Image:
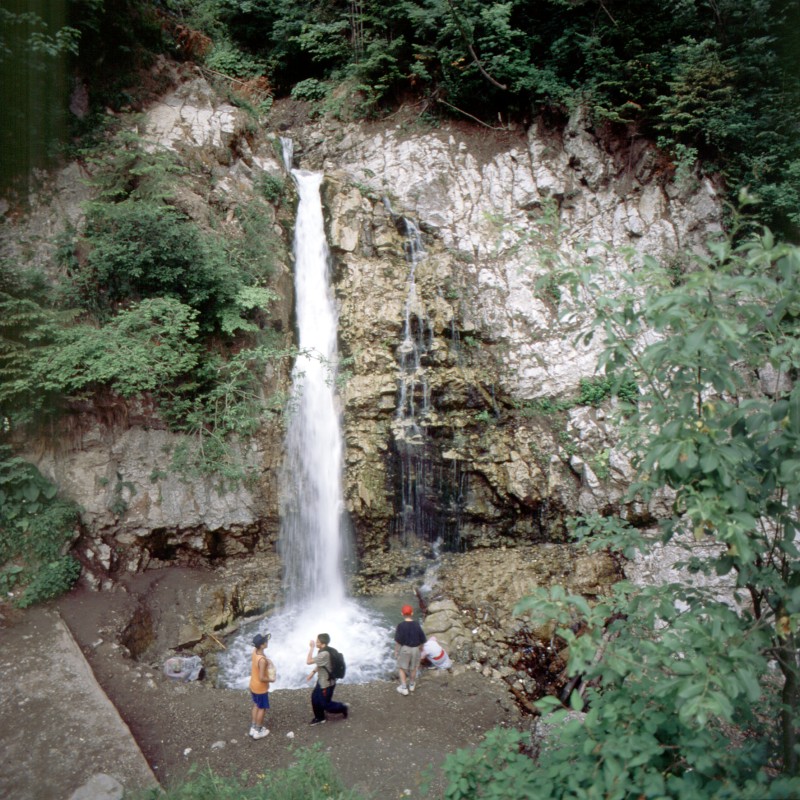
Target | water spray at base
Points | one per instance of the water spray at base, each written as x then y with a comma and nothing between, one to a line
313,540
363,635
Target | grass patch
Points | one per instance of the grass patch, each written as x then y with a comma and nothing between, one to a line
310,777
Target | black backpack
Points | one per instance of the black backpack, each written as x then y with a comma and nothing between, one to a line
338,667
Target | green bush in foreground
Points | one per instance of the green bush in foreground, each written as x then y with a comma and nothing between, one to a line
310,777
682,695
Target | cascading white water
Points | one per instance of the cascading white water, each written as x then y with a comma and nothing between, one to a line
313,525
311,479
412,378
431,492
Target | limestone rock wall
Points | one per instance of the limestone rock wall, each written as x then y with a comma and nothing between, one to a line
137,510
487,459
500,463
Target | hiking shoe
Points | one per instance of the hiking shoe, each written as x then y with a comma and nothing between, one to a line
403,690
346,711
412,686
316,721
260,733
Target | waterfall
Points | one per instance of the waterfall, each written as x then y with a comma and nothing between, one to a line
313,541
413,381
287,152
430,491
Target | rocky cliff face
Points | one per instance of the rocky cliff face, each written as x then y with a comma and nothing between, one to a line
461,410
461,422
113,457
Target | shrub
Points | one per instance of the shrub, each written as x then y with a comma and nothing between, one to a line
593,391
227,58
309,777
36,528
270,187
141,349
310,89
137,249
50,580
696,698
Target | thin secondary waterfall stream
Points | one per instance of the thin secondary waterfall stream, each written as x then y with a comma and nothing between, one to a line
313,543
431,491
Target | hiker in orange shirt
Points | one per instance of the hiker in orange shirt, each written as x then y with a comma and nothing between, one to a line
259,685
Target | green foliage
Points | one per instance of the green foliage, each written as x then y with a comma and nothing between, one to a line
255,252
698,698
593,391
497,768
136,244
23,34
228,59
35,42
45,354
138,249
219,409
311,89
118,505
599,463
27,332
140,350
51,580
325,41
544,406
662,704
379,71
310,777
164,310
36,529
702,104
719,84
123,168
271,187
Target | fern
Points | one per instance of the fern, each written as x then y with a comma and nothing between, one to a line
139,350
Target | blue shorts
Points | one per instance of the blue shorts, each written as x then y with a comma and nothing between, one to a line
261,700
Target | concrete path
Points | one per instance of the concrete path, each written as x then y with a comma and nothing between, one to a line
60,736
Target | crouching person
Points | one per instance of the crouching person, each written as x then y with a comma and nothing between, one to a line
322,696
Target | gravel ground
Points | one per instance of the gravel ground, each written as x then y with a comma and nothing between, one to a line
387,748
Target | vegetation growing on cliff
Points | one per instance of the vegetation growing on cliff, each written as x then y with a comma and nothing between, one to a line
149,303
717,83
149,306
684,695
37,529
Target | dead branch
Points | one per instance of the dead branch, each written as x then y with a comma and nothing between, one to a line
523,700
466,114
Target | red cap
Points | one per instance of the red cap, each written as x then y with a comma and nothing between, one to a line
407,611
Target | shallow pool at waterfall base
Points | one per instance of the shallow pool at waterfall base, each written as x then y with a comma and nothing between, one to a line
363,629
